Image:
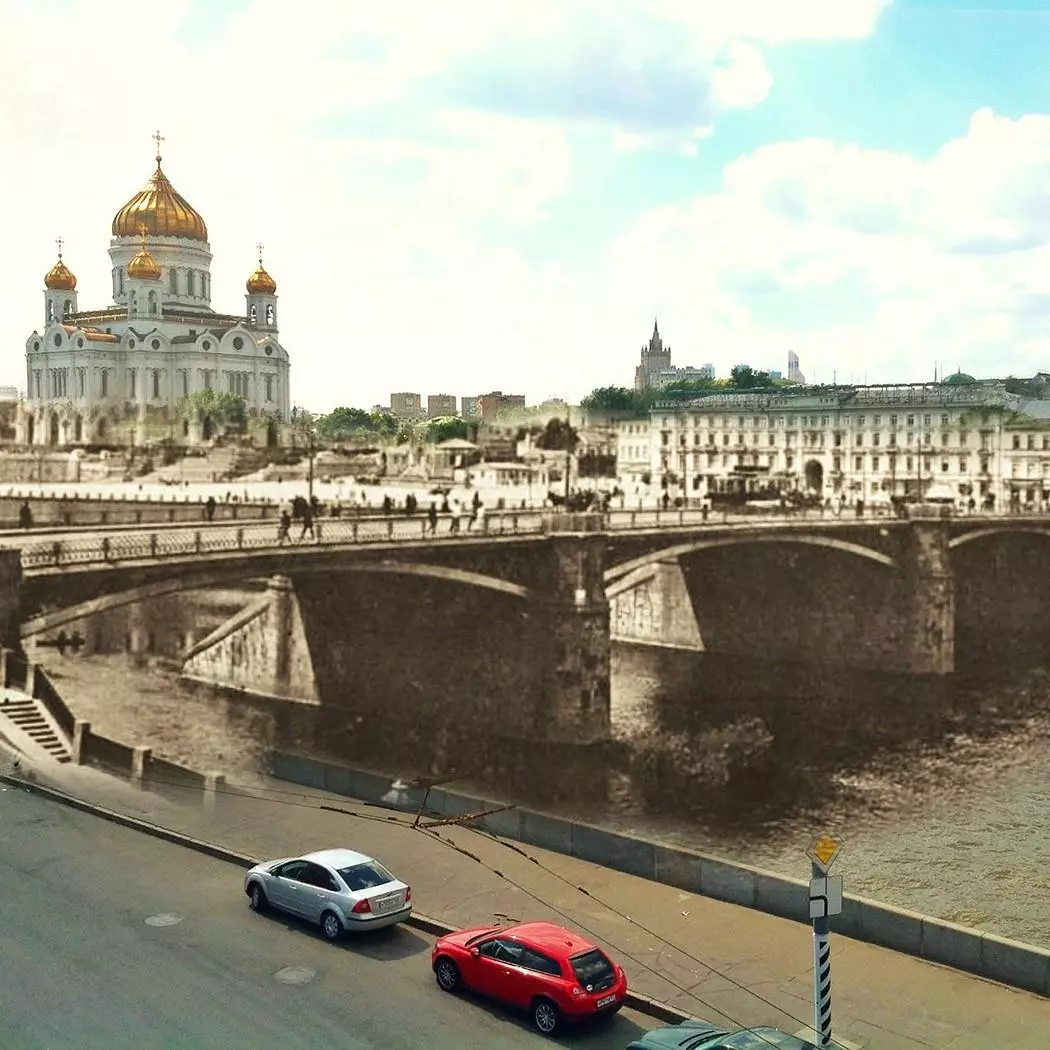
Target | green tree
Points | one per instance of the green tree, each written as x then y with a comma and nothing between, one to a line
633,403
445,428
383,424
747,378
225,409
558,436
343,423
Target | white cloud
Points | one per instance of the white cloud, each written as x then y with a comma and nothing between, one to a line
398,181
863,261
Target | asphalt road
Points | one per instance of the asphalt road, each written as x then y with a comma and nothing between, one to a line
112,939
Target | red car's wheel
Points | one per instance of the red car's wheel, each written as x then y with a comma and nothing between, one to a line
545,1016
447,974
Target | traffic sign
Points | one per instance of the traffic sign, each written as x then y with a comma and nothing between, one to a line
825,897
823,851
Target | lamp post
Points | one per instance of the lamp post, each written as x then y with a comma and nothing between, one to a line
310,470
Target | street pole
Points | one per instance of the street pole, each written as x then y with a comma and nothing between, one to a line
825,900
821,973
568,455
310,469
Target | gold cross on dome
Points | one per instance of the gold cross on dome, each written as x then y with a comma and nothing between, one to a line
259,248
59,242
158,138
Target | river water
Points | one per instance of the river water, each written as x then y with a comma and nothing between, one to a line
952,820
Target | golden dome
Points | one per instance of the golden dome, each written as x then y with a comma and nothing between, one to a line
144,266
261,283
60,277
161,210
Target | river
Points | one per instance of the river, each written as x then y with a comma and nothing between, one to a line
952,820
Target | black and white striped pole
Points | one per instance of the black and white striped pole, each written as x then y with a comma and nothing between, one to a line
825,900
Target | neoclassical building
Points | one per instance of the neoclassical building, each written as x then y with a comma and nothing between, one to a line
973,438
117,375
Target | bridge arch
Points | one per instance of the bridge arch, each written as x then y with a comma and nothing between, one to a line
680,549
980,534
197,581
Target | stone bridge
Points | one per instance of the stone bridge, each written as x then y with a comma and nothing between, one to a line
522,610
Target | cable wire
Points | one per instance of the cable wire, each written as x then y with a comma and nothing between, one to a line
395,818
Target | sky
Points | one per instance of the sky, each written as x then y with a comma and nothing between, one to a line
464,196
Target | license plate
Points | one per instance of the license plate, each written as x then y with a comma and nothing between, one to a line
606,1000
387,904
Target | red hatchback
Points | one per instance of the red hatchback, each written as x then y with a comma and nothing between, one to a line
549,971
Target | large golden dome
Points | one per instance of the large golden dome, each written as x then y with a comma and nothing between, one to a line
60,277
163,212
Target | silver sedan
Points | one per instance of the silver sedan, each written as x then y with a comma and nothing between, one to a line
338,889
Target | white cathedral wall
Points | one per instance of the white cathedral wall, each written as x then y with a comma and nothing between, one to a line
184,256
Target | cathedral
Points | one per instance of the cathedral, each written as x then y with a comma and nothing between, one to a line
118,375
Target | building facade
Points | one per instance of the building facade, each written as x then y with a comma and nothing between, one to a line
633,453
491,404
406,405
118,374
440,405
856,443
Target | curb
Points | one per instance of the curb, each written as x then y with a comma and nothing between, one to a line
650,1007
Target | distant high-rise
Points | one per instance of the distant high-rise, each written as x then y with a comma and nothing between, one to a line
656,358
794,375
491,404
406,406
441,405
468,408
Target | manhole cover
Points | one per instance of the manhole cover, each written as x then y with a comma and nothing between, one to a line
295,975
166,918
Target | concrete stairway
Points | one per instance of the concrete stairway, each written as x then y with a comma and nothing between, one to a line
27,719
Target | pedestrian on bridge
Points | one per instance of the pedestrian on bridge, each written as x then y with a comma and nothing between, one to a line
432,518
25,515
284,524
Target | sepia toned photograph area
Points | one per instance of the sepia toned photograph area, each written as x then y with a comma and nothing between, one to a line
577,577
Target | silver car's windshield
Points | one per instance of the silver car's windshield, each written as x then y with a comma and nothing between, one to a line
365,876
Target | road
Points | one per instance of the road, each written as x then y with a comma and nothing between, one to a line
111,939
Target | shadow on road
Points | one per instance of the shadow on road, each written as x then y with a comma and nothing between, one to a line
613,1030
388,944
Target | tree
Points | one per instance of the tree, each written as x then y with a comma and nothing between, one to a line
746,378
342,424
225,409
558,436
445,428
633,403
383,424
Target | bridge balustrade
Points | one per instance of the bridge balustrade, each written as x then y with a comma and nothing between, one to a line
122,547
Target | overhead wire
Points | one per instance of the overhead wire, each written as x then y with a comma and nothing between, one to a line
303,800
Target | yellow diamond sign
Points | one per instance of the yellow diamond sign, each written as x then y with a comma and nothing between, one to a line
823,850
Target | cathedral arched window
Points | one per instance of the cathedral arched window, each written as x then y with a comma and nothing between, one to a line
173,281
269,313
67,308
133,303
152,302
251,314
121,276
50,311
189,283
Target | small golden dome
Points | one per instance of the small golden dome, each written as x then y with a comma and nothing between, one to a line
163,211
261,283
60,277
144,266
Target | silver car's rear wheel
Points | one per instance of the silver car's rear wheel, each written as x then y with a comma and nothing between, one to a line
331,927
256,897
447,974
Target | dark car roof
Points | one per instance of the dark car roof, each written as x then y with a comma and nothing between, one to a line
554,940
